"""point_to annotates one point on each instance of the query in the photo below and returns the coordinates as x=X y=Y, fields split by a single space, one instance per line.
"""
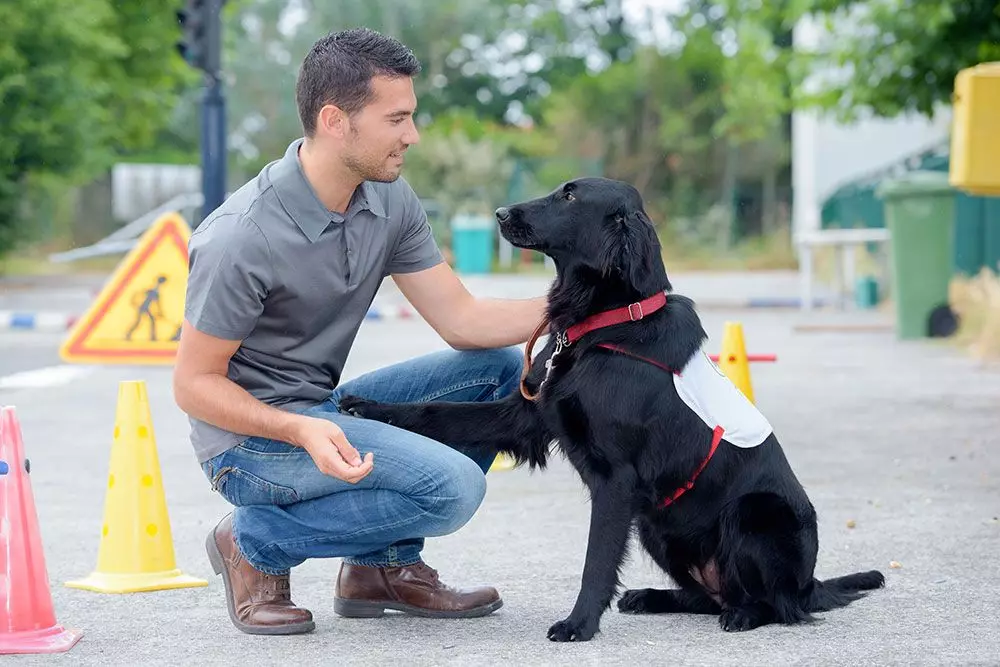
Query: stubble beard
x=368 y=167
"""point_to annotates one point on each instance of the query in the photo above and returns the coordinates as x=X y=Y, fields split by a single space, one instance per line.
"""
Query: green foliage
x=80 y=81
x=899 y=56
x=498 y=59
x=515 y=94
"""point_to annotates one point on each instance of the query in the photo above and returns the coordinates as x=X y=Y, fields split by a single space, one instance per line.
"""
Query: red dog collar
x=630 y=313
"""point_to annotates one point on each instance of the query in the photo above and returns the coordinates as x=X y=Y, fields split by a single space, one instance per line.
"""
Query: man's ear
x=333 y=120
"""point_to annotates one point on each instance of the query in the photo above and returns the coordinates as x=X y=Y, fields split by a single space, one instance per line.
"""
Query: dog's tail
x=841 y=591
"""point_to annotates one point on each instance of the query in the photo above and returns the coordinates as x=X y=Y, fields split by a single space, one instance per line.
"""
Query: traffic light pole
x=213 y=145
x=201 y=46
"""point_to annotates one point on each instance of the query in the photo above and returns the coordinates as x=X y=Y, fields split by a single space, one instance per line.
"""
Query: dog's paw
x=359 y=407
x=572 y=631
x=739 y=619
x=633 y=601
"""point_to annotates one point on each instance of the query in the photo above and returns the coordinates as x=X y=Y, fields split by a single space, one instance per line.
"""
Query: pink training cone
x=27 y=618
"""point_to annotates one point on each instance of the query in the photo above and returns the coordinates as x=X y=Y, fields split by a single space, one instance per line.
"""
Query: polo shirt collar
x=300 y=201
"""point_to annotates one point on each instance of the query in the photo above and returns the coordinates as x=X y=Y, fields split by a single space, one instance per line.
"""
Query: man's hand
x=330 y=450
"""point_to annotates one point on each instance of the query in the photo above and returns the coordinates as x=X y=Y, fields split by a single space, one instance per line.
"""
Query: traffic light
x=201 y=29
x=201 y=46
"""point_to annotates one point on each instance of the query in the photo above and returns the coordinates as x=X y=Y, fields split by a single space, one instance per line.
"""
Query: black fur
x=622 y=426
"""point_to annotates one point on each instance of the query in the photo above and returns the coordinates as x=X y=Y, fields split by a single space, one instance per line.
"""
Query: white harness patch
x=718 y=402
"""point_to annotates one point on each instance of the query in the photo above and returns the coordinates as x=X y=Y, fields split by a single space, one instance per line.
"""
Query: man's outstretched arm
x=465 y=321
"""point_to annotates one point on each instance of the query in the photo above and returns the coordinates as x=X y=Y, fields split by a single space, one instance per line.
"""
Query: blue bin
x=472 y=243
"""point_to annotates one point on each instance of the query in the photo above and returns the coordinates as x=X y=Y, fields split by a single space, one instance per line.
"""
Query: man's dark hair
x=339 y=69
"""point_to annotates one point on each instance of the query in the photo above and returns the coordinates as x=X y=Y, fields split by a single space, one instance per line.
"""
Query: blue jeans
x=286 y=510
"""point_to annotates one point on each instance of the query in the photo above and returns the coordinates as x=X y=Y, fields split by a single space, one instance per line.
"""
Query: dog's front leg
x=610 y=522
x=511 y=424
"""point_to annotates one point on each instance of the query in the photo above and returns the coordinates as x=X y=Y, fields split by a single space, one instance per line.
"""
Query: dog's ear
x=632 y=247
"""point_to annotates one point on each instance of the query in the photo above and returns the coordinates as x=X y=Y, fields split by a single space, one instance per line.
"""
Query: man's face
x=381 y=132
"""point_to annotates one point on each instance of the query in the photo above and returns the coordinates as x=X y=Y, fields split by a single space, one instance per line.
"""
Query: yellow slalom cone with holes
x=502 y=462
x=733 y=358
x=136 y=551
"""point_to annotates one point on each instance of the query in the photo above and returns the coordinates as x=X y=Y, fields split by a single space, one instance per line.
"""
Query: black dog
x=658 y=434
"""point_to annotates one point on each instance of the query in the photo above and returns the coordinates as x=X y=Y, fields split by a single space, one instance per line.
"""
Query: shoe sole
x=215 y=557
x=373 y=609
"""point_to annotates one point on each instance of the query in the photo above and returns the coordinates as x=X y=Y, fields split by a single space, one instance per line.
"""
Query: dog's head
x=595 y=224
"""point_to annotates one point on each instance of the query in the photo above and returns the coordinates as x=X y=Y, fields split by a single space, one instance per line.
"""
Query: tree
x=498 y=59
x=888 y=57
x=81 y=81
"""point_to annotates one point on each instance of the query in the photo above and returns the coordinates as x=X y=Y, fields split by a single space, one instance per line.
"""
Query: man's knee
x=507 y=363
x=459 y=489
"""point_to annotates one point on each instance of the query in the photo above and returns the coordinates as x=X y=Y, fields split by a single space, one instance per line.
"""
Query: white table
x=844 y=240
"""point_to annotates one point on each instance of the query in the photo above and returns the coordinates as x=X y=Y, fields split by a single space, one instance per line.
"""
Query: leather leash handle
x=526 y=368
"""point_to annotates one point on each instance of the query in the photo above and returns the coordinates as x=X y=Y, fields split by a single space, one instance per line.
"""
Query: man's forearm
x=489 y=322
x=221 y=402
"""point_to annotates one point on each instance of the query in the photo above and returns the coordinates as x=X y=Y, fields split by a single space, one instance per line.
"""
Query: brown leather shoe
x=366 y=592
x=259 y=603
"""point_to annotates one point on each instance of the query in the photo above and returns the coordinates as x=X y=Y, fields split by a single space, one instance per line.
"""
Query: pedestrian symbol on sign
x=150 y=298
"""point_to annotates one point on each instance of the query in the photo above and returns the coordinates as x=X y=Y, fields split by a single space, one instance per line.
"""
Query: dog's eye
x=569 y=196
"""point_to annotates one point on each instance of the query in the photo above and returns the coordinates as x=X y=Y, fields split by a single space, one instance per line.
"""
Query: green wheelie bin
x=919 y=213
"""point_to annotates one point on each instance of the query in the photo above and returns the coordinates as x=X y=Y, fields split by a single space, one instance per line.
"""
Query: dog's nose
x=503 y=214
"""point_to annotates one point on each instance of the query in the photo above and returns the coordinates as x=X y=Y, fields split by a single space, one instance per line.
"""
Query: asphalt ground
x=895 y=442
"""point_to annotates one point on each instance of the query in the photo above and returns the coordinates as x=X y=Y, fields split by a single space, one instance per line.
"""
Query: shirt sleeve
x=229 y=277
x=416 y=248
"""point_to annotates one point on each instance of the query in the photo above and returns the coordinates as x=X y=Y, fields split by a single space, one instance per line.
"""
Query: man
x=281 y=276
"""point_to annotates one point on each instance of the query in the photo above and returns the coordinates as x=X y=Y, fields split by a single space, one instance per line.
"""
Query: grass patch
x=29 y=263
x=762 y=253
x=759 y=253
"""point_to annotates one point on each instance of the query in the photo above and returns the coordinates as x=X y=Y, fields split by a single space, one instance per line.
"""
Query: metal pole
x=213 y=145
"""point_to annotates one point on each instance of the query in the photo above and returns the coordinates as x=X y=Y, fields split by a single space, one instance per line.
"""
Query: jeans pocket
x=240 y=487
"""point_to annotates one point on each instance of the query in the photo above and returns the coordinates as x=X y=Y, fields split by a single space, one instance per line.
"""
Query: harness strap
x=631 y=313
x=716 y=433
x=622 y=350
x=716 y=439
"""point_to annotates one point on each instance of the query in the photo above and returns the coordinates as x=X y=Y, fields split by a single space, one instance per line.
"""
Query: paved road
x=899 y=438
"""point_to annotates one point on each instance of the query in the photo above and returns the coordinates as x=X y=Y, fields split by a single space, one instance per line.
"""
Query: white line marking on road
x=40 y=378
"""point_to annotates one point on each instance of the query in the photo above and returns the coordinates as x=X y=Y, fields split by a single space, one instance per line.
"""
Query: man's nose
x=412 y=135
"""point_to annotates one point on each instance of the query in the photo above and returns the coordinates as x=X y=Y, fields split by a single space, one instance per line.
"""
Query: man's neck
x=333 y=183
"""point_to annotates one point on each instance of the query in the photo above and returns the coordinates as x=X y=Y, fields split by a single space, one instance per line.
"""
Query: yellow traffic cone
x=502 y=462
x=136 y=551
x=733 y=358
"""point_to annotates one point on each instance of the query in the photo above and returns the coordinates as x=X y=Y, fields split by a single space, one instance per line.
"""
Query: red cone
x=27 y=619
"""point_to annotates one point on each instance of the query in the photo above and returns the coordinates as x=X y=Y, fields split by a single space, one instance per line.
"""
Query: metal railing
x=124 y=239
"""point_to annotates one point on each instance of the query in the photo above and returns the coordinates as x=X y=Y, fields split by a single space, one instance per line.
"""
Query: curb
x=13 y=320
x=397 y=312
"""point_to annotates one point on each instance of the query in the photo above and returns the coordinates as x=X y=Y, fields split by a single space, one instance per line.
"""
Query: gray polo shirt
x=276 y=269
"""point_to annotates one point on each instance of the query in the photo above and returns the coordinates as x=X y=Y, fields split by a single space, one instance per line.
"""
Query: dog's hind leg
x=610 y=522
x=686 y=600
x=765 y=562
x=666 y=601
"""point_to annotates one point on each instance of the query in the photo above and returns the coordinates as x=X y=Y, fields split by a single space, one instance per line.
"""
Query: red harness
x=630 y=313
